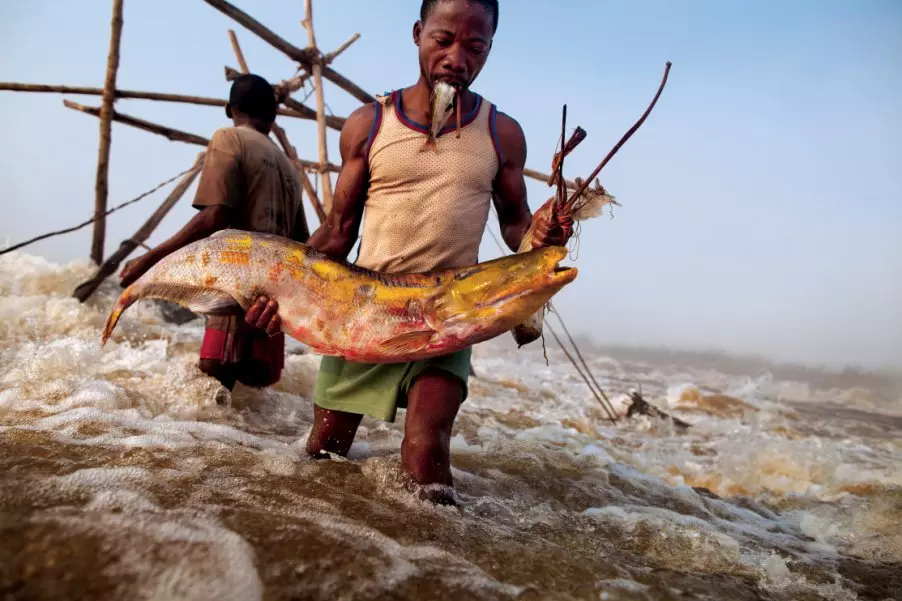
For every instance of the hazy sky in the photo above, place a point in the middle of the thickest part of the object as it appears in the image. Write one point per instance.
(762, 200)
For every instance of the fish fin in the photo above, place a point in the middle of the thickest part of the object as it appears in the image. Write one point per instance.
(411, 341)
(224, 233)
(207, 301)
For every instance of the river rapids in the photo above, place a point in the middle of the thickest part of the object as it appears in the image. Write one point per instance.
(126, 474)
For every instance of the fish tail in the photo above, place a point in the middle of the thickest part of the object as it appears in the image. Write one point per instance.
(430, 143)
(126, 299)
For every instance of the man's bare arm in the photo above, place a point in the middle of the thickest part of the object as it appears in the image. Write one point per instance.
(510, 201)
(337, 235)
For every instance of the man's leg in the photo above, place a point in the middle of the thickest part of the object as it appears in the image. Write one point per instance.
(433, 400)
(333, 431)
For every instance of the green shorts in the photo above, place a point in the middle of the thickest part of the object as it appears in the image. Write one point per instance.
(379, 389)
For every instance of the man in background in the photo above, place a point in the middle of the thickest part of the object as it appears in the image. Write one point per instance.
(247, 183)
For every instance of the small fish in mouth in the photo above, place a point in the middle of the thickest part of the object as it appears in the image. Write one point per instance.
(444, 100)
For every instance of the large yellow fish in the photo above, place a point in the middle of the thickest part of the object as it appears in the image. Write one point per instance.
(343, 310)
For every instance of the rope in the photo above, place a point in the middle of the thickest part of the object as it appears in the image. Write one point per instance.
(93, 219)
(600, 395)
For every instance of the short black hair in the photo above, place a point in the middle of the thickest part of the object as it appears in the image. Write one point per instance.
(491, 5)
(254, 96)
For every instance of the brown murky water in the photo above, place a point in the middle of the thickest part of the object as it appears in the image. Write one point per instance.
(126, 474)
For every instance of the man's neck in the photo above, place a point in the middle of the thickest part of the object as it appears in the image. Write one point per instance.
(254, 124)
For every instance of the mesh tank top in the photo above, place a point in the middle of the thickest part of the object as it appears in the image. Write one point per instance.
(427, 209)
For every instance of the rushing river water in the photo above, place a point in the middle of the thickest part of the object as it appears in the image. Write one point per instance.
(126, 474)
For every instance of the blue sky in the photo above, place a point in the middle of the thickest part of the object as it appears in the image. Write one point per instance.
(762, 200)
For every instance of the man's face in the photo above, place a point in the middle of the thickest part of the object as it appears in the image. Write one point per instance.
(454, 42)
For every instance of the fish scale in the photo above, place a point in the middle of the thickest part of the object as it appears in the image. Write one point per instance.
(344, 310)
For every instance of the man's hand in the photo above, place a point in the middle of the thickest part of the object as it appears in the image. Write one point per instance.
(262, 314)
(551, 231)
(135, 268)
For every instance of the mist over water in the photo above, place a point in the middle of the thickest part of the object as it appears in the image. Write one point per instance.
(125, 473)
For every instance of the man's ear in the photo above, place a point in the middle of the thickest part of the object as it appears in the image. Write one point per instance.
(417, 32)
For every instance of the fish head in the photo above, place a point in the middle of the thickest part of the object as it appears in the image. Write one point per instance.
(501, 293)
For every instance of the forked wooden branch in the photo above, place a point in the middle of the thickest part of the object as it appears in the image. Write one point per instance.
(305, 56)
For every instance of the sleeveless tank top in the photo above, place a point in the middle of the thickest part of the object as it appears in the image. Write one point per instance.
(427, 208)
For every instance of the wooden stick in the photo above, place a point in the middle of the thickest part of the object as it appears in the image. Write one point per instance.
(238, 54)
(173, 135)
(302, 173)
(305, 56)
(101, 185)
(109, 267)
(308, 113)
(623, 140)
(170, 133)
(92, 219)
(331, 56)
(325, 178)
(332, 121)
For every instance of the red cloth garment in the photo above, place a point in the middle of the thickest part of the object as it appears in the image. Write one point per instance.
(235, 343)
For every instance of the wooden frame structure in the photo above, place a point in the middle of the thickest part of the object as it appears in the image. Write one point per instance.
(313, 65)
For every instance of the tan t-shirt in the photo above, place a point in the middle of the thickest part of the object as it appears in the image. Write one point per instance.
(246, 171)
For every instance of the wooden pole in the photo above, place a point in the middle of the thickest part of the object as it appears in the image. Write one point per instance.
(239, 55)
(282, 137)
(170, 133)
(325, 178)
(303, 111)
(173, 135)
(101, 186)
(304, 56)
(109, 267)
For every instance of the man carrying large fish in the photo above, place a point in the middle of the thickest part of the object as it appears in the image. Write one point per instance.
(426, 193)
(247, 183)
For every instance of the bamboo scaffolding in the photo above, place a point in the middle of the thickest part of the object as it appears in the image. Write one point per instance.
(101, 185)
(325, 178)
(109, 267)
(299, 111)
(305, 56)
(313, 64)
